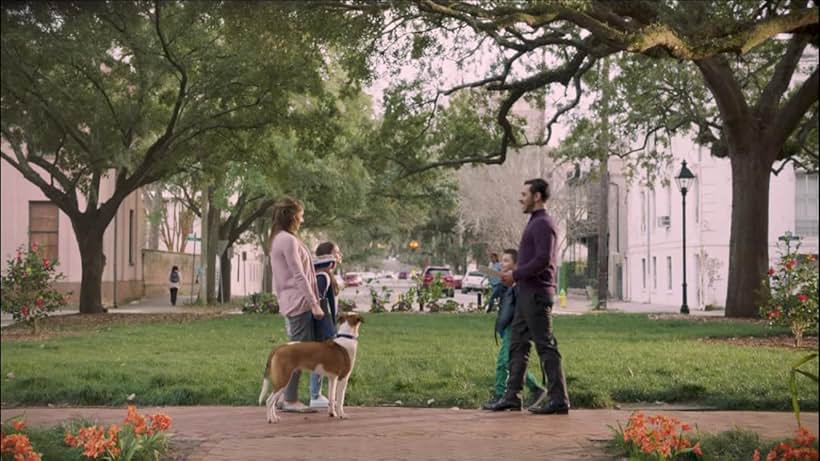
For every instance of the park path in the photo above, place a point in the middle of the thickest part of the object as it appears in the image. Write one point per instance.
(389, 433)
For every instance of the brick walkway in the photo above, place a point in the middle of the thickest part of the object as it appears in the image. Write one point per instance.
(241, 433)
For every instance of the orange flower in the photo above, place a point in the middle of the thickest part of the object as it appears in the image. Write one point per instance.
(19, 425)
(19, 446)
(697, 450)
(137, 421)
(160, 422)
(756, 455)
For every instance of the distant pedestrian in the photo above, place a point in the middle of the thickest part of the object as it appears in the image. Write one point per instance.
(173, 283)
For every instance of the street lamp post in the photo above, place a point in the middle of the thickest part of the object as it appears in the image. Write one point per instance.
(684, 179)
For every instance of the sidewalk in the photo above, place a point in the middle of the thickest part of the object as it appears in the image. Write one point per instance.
(241, 433)
(574, 306)
(143, 306)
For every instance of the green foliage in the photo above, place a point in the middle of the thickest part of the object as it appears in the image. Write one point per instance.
(405, 301)
(347, 305)
(791, 294)
(793, 389)
(28, 292)
(261, 303)
(379, 299)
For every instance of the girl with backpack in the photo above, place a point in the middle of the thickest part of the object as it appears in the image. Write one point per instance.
(173, 283)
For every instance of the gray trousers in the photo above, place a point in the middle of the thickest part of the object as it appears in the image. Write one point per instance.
(298, 328)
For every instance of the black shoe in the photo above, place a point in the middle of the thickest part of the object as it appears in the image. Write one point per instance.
(504, 404)
(550, 409)
(536, 397)
(490, 402)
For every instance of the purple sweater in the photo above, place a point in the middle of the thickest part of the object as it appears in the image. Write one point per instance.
(536, 255)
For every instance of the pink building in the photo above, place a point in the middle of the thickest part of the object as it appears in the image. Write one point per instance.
(29, 217)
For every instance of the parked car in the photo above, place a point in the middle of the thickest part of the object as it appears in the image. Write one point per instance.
(404, 275)
(353, 279)
(431, 272)
(474, 281)
(457, 281)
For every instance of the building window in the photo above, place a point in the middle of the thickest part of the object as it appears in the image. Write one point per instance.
(131, 237)
(643, 211)
(669, 273)
(654, 273)
(643, 270)
(805, 205)
(44, 229)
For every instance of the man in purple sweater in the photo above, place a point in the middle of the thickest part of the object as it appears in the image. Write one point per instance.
(535, 278)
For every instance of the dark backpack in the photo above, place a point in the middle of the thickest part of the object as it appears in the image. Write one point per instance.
(174, 277)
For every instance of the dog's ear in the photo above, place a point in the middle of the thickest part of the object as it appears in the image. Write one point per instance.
(342, 317)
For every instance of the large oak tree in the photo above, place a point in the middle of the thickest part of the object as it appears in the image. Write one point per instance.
(535, 48)
(126, 89)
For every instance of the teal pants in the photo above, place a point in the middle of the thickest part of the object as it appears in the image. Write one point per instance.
(502, 367)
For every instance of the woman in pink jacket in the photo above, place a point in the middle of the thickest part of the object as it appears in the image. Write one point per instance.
(295, 284)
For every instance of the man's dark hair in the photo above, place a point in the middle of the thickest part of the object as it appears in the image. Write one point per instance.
(513, 253)
(540, 186)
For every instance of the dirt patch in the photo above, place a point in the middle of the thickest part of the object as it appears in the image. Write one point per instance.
(704, 318)
(809, 343)
(75, 324)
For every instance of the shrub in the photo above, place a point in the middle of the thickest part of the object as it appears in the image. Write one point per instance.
(405, 302)
(656, 438)
(27, 287)
(16, 445)
(347, 305)
(378, 301)
(790, 294)
(261, 303)
(140, 437)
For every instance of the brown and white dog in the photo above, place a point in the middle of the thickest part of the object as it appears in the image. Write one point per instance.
(332, 358)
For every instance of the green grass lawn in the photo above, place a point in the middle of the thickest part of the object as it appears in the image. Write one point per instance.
(608, 358)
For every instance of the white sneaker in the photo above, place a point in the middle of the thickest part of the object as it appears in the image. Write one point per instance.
(320, 402)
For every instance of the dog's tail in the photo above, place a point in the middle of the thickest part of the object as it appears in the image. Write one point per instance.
(266, 378)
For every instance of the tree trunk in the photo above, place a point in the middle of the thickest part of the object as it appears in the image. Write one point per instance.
(603, 194)
(225, 276)
(267, 278)
(603, 237)
(90, 241)
(748, 245)
(213, 237)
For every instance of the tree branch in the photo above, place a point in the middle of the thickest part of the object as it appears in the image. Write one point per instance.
(789, 116)
(779, 82)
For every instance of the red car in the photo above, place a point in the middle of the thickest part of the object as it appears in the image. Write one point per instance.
(352, 279)
(431, 272)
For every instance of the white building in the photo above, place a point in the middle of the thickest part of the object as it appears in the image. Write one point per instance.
(652, 248)
(28, 216)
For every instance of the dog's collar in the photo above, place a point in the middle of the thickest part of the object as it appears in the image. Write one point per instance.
(342, 335)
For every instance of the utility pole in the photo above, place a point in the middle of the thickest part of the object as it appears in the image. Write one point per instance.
(603, 197)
